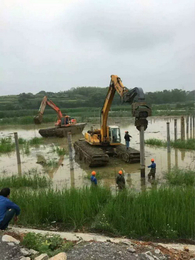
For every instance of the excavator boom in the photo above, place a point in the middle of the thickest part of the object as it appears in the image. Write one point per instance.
(127, 96)
(39, 117)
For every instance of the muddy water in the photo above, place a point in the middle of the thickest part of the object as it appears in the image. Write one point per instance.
(44, 159)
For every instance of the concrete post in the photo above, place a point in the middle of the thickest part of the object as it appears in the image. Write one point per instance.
(168, 138)
(17, 153)
(142, 152)
(187, 127)
(168, 161)
(176, 157)
(191, 119)
(193, 126)
(182, 128)
(17, 147)
(69, 135)
(175, 130)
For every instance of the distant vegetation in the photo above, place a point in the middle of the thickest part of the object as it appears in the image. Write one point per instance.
(20, 109)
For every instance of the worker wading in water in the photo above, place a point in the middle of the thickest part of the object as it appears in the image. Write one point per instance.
(127, 139)
(93, 178)
(120, 180)
(152, 170)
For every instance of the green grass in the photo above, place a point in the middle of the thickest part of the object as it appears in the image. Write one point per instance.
(6, 145)
(36, 141)
(60, 151)
(181, 177)
(25, 181)
(49, 244)
(164, 213)
(70, 208)
(182, 144)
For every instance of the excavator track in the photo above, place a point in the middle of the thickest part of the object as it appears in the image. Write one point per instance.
(97, 156)
(62, 131)
(91, 155)
(130, 156)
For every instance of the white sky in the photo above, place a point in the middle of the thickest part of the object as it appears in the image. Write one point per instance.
(54, 45)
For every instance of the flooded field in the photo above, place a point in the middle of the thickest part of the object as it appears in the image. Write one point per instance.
(44, 159)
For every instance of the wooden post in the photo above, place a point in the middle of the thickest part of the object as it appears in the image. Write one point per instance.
(182, 128)
(168, 138)
(187, 127)
(142, 152)
(70, 150)
(175, 129)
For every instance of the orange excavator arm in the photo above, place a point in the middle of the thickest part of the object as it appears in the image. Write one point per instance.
(38, 118)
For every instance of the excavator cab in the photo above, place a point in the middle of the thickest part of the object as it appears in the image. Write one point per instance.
(114, 135)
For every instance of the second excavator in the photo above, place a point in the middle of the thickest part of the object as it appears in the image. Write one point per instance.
(100, 143)
(63, 125)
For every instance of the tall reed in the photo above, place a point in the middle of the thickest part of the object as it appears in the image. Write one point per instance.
(164, 213)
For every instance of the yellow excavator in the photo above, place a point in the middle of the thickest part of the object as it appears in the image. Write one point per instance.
(99, 143)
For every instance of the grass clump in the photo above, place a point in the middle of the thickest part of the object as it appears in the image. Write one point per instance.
(6, 145)
(182, 144)
(154, 141)
(36, 141)
(181, 177)
(33, 182)
(60, 151)
(49, 244)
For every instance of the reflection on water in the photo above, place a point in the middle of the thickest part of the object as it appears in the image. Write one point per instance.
(41, 157)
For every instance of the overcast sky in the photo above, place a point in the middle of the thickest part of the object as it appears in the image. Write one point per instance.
(55, 45)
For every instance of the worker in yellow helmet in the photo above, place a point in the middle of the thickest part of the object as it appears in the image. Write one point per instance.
(120, 180)
(93, 178)
(152, 170)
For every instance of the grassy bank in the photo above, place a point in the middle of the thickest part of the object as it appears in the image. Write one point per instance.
(182, 144)
(164, 213)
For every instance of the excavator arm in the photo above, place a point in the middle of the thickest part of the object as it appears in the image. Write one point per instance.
(39, 117)
(140, 110)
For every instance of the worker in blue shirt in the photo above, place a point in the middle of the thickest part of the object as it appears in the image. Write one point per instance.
(8, 209)
(152, 170)
(93, 178)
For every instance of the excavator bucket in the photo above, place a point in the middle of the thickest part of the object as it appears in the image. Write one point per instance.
(38, 119)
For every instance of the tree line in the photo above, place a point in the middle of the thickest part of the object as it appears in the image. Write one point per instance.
(90, 97)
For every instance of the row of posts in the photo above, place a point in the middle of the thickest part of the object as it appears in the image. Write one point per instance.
(189, 133)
